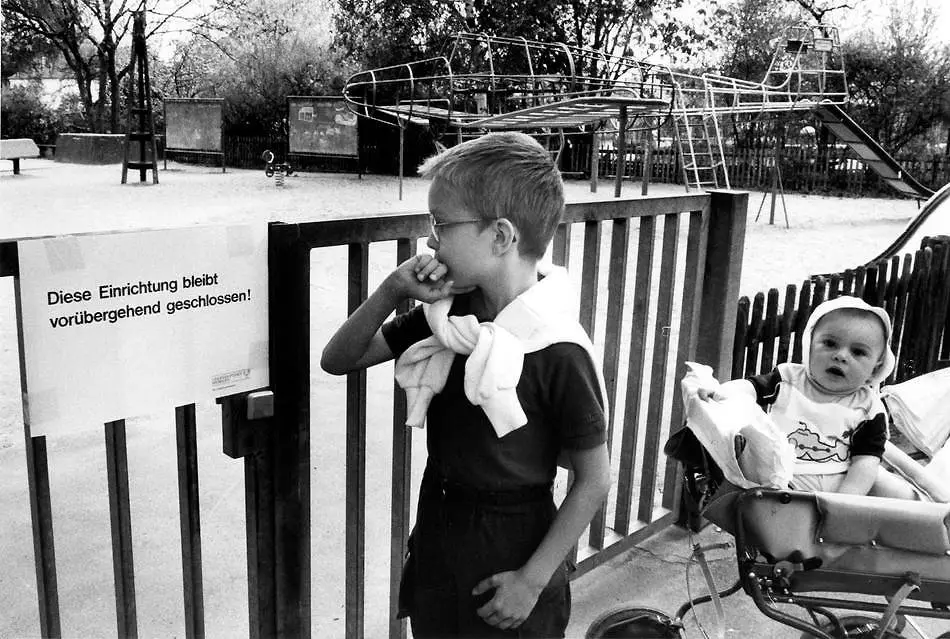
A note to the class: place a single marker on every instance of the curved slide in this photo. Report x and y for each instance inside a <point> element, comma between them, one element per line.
<point>867,148</point>
<point>933,219</point>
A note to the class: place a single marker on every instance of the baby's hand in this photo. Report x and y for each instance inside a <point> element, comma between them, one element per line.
<point>710,393</point>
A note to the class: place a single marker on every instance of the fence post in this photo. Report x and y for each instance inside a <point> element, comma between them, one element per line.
<point>277,476</point>
<point>723,268</point>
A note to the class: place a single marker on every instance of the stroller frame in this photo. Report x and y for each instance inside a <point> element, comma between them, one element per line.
<point>791,544</point>
<point>770,580</point>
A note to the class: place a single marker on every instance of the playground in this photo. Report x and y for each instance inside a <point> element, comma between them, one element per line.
<point>299,521</point>
<point>49,199</point>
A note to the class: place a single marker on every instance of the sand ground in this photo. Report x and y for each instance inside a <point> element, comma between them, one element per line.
<point>47,198</point>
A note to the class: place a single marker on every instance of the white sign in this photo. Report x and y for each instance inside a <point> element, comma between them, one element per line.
<point>125,324</point>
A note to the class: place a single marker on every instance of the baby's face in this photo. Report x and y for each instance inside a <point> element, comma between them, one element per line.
<point>846,350</point>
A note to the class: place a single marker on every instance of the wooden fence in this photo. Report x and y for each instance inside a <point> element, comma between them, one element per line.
<point>667,267</point>
<point>913,288</point>
<point>696,241</point>
<point>802,169</point>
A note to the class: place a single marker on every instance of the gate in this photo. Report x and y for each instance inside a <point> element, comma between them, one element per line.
<point>658,280</point>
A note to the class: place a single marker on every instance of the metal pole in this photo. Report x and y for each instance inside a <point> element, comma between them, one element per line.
<point>402,136</point>
<point>621,151</point>
<point>594,162</point>
<point>647,162</point>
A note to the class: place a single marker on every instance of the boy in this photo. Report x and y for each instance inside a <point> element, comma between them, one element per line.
<point>496,364</point>
<point>829,406</point>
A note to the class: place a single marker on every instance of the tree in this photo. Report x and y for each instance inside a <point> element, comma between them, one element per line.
<point>818,9</point>
<point>94,39</point>
<point>385,32</point>
<point>259,52</point>
<point>21,51</point>
<point>748,35</point>
<point>899,79</point>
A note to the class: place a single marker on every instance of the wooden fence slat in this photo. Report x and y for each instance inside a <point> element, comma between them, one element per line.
<point>929,291</point>
<point>561,246</point>
<point>770,331</point>
<point>918,302</point>
<point>754,342</point>
<point>801,316</point>
<point>722,271</point>
<point>911,317</point>
<point>786,325</point>
<point>616,294</point>
<point>845,284</point>
<point>741,340</point>
<point>190,518</point>
<point>860,281</point>
<point>589,271</point>
<point>940,292</point>
<point>925,308</point>
<point>357,291</point>
<point>890,291</point>
<point>872,284</point>
<point>117,469</point>
<point>686,349</point>
<point>899,317</point>
<point>616,290</point>
<point>401,477</point>
<point>661,350</point>
<point>635,366</point>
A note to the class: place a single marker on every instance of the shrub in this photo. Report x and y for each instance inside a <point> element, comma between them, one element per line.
<point>24,115</point>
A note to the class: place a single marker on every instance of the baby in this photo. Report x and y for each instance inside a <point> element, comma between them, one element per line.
<point>829,406</point>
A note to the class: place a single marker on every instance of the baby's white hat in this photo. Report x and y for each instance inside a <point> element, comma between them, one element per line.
<point>847,301</point>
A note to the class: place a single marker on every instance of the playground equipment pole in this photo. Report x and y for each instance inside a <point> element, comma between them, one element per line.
<point>402,136</point>
<point>594,161</point>
<point>647,162</point>
<point>776,183</point>
<point>621,151</point>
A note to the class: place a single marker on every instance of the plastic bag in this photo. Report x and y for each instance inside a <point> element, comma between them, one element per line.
<point>743,440</point>
<point>918,408</point>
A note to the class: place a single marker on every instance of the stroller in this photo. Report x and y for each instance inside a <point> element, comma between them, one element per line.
<point>883,562</point>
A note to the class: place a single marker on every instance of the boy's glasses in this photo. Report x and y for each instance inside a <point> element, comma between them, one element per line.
<point>435,226</point>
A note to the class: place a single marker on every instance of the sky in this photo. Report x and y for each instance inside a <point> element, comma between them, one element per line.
<point>874,15</point>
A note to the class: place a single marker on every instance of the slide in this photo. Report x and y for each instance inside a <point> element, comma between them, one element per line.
<point>933,219</point>
<point>867,148</point>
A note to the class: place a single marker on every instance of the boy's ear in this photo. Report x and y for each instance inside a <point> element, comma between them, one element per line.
<point>506,236</point>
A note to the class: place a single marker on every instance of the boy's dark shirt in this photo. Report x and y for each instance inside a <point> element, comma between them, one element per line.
<point>558,391</point>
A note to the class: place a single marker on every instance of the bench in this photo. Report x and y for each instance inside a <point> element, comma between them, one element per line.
<point>16,148</point>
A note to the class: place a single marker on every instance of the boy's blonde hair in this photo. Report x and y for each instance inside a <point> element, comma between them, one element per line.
<point>505,175</point>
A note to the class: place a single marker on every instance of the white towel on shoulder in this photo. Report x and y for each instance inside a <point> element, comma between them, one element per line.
<point>543,315</point>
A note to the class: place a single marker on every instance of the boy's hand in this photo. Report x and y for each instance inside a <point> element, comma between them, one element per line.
<point>514,599</point>
<point>422,277</point>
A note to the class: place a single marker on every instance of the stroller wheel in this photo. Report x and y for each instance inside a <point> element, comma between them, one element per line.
<point>633,623</point>
<point>860,627</point>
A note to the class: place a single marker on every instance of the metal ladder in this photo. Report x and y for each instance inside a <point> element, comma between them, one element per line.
<point>696,127</point>
<point>140,126</point>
